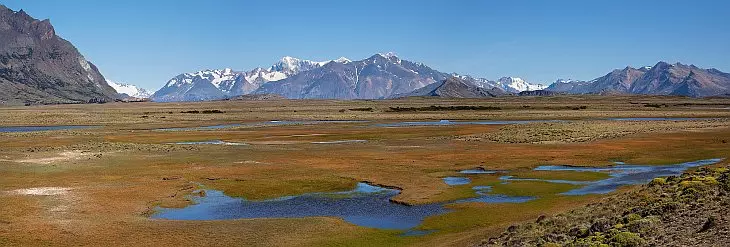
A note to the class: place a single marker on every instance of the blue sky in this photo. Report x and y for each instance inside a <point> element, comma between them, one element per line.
<point>148,42</point>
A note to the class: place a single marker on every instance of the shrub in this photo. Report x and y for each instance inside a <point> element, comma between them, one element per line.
<point>204,111</point>
<point>595,240</point>
<point>627,239</point>
<point>632,217</point>
<point>645,225</point>
<point>710,180</point>
<point>692,184</point>
<point>658,181</point>
<point>362,109</point>
<point>443,108</point>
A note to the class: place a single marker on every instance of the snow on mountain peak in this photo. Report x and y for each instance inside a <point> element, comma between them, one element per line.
<point>388,55</point>
<point>516,84</point>
<point>290,62</point>
<point>343,60</point>
<point>565,81</point>
<point>129,89</point>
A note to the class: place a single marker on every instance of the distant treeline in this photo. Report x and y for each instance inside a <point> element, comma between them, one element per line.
<point>445,108</point>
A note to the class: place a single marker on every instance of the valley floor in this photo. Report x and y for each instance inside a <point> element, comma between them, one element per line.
<point>99,185</point>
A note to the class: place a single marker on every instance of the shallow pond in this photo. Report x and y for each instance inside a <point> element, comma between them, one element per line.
<point>449,122</point>
<point>453,181</point>
<point>261,124</point>
<point>477,171</point>
<point>557,181</point>
<point>366,205</point>
<point>623,174</point>
<point>371,206</point>
<point>484,196</point>
<point>41,128</point>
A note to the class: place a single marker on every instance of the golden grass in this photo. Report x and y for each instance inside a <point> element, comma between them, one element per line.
<point>113,193</point>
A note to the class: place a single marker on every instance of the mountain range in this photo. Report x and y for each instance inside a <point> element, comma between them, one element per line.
<point>383,75</point>
<point>39,67</point>
<point>660,79</point>
<point>225,83</point>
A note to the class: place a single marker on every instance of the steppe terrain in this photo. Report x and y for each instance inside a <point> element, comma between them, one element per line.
<point>100,185</point>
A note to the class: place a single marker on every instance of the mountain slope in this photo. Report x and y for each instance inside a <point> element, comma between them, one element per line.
<point>382,75</point>
<point>508,84</point>
<point>660,79</point>
<point>379,76</point>
<point>516,85</point>
<point>203,85</point>
<point>129,90</point>
<point>223,83</point>
<point>38,67</point>
<point>455,87</point>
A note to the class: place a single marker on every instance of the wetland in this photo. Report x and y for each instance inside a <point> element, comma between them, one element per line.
<point>298,181</point>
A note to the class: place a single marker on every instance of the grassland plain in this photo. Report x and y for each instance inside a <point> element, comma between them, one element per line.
<point>98,185</point>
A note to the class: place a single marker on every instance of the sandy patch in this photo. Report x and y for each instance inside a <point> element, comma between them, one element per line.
<point>249,162</point>
<point>42,191</point>
<point>63,156</point>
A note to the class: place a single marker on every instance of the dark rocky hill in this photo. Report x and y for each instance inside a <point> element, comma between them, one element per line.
<point>454,87</point>
<point>38,67</point>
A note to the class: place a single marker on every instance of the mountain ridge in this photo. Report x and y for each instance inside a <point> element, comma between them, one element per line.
<point>39,67</point>
<point>660,79</point>
<point>382,75</point>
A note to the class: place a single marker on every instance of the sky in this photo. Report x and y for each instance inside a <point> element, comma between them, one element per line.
<point>148,42</point>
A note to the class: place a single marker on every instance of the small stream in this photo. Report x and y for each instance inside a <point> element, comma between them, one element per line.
<point>13,129</point>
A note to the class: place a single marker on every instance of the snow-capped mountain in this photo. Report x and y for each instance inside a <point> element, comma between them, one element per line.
<point>129,89</point>
<point>286,67</point>
<point>222,83</point>
<point>508,84</point>
<point>516,85</point>
<point>382,75</point>
<point>203,85</point>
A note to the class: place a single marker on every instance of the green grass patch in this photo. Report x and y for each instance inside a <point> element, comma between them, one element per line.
<point>561,175</point>
<point>367,238</point>
<point>532,188</point>
<point>268,189</point>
